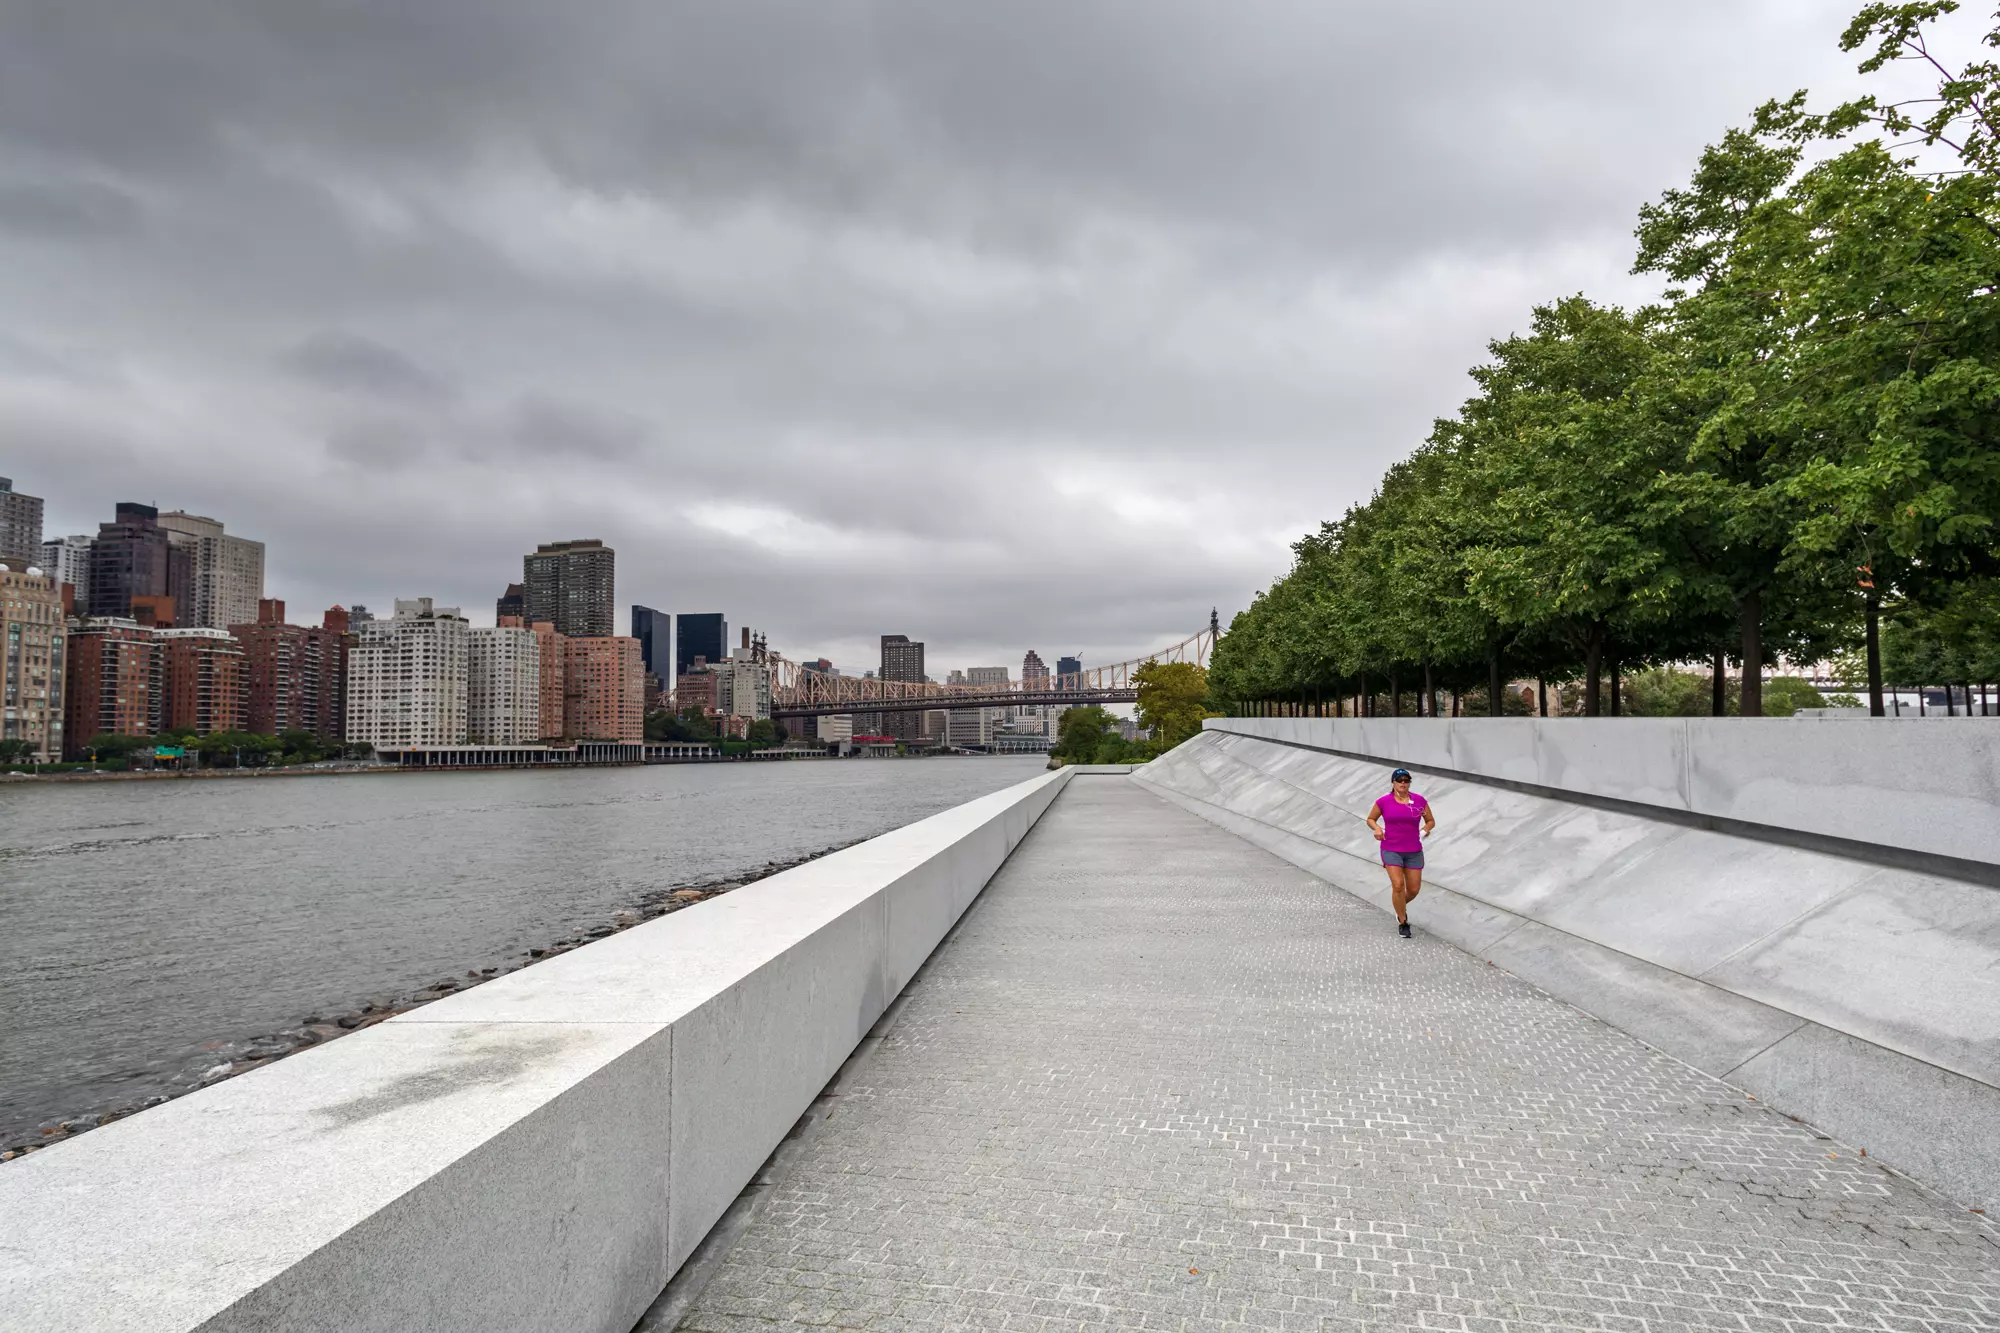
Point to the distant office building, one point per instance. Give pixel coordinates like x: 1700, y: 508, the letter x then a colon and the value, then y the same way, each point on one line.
x: 835, y: 728
x: 112, y: 685
x: 696, y: 687
x: 67, y: 560
x: 970, y: 728
x: 699, y: 634
x: 1032, y: 718
x: 295, y: 676
x: 32, y: 648
x: 201, y: 681
x: 133, y: 556
x: 406, y: 678
x: 358, y: 615
x: 569, y: 585
x: 655, y: 632
x: 226, y: 574
x: 605, y: 689
x: 1034, y: 675
x: 1069, y: 666
x: 553, y: 651
x: 819, y: 667
x: 20, y: 528
x: 902, y: 660
x: 503, y: 693
x: 513, y: 602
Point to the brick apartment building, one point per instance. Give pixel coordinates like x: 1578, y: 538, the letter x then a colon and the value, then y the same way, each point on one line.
x: 604, y: 689
x: 32, y: 644
x: 201, y: 681
x: 113, y: 683
x: 295, y: 676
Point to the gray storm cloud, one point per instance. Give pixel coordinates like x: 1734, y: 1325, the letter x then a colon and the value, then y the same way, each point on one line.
x: 1001, y: 326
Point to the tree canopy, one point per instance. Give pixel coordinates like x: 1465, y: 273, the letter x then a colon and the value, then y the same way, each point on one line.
x: 1796, y: 448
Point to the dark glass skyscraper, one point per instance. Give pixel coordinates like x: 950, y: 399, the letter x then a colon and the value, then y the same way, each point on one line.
x: 1068, y: 666
x: 569, y: 585
x: 654, y: 631
x: 132, y: 557
x: 699, y: 634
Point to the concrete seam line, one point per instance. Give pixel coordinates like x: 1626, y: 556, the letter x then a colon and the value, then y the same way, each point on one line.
x: 1819, y: 906
x: 1983, y: 873
x: 1794, y: 1031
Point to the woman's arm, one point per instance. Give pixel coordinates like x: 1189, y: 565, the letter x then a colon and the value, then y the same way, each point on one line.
x: 1375, y: 821
x: 1430, y: 820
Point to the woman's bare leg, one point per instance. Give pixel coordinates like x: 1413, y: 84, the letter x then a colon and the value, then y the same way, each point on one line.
x: 1415, y: 879
x: 1398, y: 892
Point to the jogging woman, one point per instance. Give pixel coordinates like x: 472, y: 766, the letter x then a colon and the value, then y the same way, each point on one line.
x: 1393, y: 820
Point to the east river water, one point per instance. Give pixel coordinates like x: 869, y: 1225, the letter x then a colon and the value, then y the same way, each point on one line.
x: 148, y: 929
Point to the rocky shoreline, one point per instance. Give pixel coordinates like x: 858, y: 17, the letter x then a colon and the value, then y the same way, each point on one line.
x: 223, y: 1060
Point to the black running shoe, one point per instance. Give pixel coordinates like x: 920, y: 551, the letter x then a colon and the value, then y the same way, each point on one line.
x: 1403, y: 929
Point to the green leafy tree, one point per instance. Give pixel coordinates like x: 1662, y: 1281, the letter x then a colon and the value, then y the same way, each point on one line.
x: 1173, y: 700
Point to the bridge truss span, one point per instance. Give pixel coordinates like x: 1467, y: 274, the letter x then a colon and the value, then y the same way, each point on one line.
x: 797, y: 692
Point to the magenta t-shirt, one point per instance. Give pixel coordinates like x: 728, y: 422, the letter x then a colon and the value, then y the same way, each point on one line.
x: 1400, y: 823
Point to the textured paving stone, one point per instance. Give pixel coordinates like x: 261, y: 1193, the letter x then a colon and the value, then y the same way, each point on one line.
x: 1163, y: 1080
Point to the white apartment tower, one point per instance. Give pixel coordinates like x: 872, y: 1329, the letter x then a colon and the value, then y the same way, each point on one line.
x: 67, y: 560
x: 742, y: 686
x: 503, y: 700
x: 407, y: 678
x: 228, y: 571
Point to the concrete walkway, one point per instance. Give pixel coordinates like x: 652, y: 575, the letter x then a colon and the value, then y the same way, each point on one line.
x: 1163, y: 1080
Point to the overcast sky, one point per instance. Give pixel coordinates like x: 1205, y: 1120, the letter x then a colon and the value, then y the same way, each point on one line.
x: 1010, y: 325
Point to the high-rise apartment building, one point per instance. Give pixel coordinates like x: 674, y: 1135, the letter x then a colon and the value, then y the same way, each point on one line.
x: 133, y: 556
x: 407, y: 676
x: 32, y: 644
x: 113, y: 681
x: 655, y: 632
x: 903, y: 660
x: 552, y: 650
x: 604, y: 689
x: 1034, y: 674
x: 569, y: 584
x: 67, y: 560
x: 503, y: 701
x: 699, y: 634
x: 513, y: 602
x: 996, y: 679
x: 226, y: 573
x: 696, y: 687
x: 295, y: 676
x: 743, y: 687
x: 20, y: 528
x: 201, y: 681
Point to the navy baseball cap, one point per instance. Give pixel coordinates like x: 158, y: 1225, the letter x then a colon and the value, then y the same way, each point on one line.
x: 1400, y: 775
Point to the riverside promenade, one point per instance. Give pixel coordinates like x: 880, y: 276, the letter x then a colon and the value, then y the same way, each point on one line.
x: 1158, y: 1078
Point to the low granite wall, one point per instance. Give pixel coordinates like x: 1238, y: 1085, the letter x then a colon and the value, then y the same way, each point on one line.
x: 1858, y: 993
x: 540, y: 1152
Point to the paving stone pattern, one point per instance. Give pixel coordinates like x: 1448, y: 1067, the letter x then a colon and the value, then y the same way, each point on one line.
x: 1163, y: 1080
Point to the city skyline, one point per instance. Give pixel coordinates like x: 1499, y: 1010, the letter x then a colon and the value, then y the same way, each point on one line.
x: 1129, y: 338
x: 859, y: 651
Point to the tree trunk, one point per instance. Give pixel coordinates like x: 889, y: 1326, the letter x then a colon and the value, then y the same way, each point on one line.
x: 1430, y: 689
x: 1542, y: 695
x: 1395, y: 691
x: 1752, y: 618
x: 1874, y: 623
x: 1717, y: 688
x: 1493, y: 682
x: 1617, y: 707
x: 1593, y: 672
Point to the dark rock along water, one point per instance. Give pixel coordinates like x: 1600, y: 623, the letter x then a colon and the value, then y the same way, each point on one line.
x: 150, y: 926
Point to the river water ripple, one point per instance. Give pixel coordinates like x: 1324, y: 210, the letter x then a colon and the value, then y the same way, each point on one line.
x: 148, y: 925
